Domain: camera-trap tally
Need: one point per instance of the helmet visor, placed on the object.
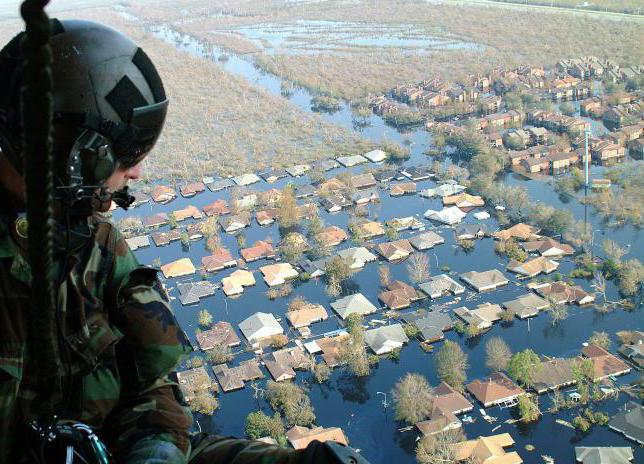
(143, 130)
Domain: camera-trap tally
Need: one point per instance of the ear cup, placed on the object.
(93, 157)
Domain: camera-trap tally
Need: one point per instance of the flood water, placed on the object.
(353, 403)
(343, 36)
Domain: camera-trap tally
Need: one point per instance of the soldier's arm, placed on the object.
(149, 424)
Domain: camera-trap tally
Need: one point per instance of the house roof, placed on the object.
(561, 292)
(233, 378)
(604, 454)
(330, 347)
(140, 241)
(217, 260)
(494, 389)
(488, 450)
(395, 250)
(189, 211)
(154, 220)
(386, 338)
(363, 180)
(279, 273)
(426, 240)
(533, 266)
(450, 215)
(370, 229)
(164, 238)
(484, 280)
(402, 188)
(246, 179)
(162, 194)
(443, 190)
(216, 208)
(282, 363)
(357, 256)
(464, 200)
(220, 184)
(519, 231)
(351, 160)
(548, 247)
(448, 398)
(356, 303)
(553, 373)
(260, 325)
(430, 323)
(192, 292)
(191, 189)
(221, 333)
(306, 315)
(260, 249)
(178, 268)
(194, 381)
(630, 422)
(526, 305)
(332, 235)
(404, 223)
(441, 284)
(604, 363)
(375, 156)
(236, 281)
(395, 299)
(300, 437)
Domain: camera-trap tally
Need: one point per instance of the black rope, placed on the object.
(36, 111)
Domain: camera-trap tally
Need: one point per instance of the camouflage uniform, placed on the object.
(123, 343)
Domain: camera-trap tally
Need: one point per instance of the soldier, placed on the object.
(117, 338)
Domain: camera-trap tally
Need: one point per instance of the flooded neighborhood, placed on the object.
(445, 266)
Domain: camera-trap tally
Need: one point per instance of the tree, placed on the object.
(204, 402)
(259, 425)
(293, 247)
(600, 339)
(439, 448)
(352, 350)
(613, 251)
(384, 274)
(451, 364)
(220, 354)
(172, 221)
(497, 353)
(558, 312)
(468, 143)
(413, 399)
(337, 268)
(631, 276)
(287, 208)
(529, 408)
(205, 318)
(583, 371)
(321, 372)
(418, 267)
(522, 367)
(292, 401)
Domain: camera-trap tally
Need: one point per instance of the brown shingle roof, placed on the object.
(221, 333)
(300, 437)
(494, 389)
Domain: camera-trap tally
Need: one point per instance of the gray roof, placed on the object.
(353, 254)
(426, 240)
(351, 160)
(260, 325)
(221, 185)
(630, 422)
(441, 284)
(356, 303)
(191, 292)
(379, 338)
(484, 280)
(273, 173)
(314, 268)
(431, 324)
(139, 241)
(325, 164)
(526, 305)
(604, 454)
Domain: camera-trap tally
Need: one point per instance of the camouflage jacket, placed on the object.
(122, 342)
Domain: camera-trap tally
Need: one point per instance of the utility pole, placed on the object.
(384, 402)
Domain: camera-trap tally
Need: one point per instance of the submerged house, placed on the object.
(278, 274)
(561, 292)
(300, 437)
(533, 267)
(260, 326)
(449, 216)
(356, 303)
(234, 284)
(192, 292)
(548, 247)
(399, 295)
(498, 388)
(220, 334)
(385, 339)
(630, 422)
(484, 281)
(488, 450)
(219, 259)
(426, 240)
(234, 378)
(178, 268)
(431, 324)
(441, 285)
(447, 403)
(396, 250)
(481, 317)
(282, 363)
(527, 305)
(357, 257)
